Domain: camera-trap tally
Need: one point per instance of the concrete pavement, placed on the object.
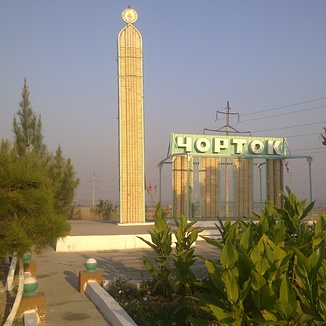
(58, 273)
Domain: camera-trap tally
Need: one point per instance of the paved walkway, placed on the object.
(58, 273)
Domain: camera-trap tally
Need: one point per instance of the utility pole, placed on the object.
(227, 129)
(93, 181)
(227, 162)
(227, 109)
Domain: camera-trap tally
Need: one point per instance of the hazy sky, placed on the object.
(267, 58)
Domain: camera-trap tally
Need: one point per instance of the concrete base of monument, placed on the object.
(136, 224)
(86, 235)
(107, 235)
(101, 242)
(35, 301)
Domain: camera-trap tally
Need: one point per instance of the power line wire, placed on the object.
(307, 149)
(302, 135)
(302, 125)
(286, 113)
(277, 108)
(313, 152)
(285, 106)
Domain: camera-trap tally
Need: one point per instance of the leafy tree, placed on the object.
(323, 137)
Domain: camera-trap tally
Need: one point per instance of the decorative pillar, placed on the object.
(210, 186)
(243, 187)
(182, 171)
(275, 181)
(131, 125)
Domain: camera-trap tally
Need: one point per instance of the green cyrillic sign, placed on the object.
(220, 145)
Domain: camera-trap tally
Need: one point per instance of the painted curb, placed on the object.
(11, 274)
(110, 309)
(19, 295)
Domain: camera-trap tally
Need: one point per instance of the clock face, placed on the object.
(129, 15)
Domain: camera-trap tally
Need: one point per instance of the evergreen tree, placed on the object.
(28, 129)
(36, 188)
(35, 199)
(63, 181)
(27, 216)
(29, 139)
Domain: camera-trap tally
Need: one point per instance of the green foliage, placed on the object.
(36, 187)
(26, 200)
(310, 278)
(173, 273)
(63, 180)
(271, 272)
(293, 213)
(184, 256)
(162, 245)
(29, 139)
(106, 209)
(75, 212)
(143, 307)
(28, 128)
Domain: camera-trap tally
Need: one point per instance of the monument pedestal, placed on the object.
(87, 276)
(35, 301)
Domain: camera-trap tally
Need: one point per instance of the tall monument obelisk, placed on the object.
(131, 121)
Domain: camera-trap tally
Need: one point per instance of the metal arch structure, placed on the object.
(204, 153)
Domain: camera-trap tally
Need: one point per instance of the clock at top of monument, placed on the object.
(129, 15)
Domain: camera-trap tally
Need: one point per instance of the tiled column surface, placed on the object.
(182, 185)
(131, 127)
(210, 187)
(275, 181)
(244, 187)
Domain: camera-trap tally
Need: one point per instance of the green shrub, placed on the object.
(173, 274)
(272, 272)
(142, 306)
(105, 209)
(162, 245)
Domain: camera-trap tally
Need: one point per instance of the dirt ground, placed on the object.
(7, 298)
